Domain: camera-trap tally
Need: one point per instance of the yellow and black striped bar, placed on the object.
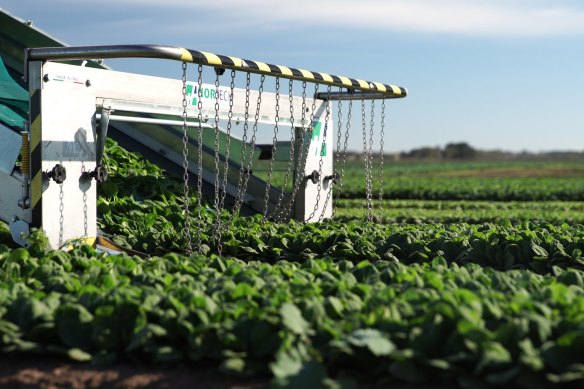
(218, 61)
(36, 172)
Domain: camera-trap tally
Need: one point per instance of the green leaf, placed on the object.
(74, 325)
(293, 320)
(493, 355)
(235, 365)
(371, 339)
(79, 355)
(339, 383)
(311, 375)
(286, 364)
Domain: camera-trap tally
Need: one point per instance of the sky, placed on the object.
(497, 74)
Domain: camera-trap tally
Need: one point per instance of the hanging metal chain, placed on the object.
(200, 159)
(366, 160)
(331, 179)
(335, 178)
(217, 225)
(344, 152)
(187, 223)
(381, 155)
(85, 222)
(274, 142)
(228, 142)
(302, 153)
(281, 210)
(253, 137)
(223, 192)
(320, 161)
(61, 215)
(243, 171)
(370, 155)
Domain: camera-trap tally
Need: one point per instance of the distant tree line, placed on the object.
(462, 151)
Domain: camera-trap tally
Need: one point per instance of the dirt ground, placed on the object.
(46, 373)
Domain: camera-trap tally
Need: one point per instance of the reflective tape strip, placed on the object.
(397, 90)
(212, 59)
(226, 61)
(36, 186)
(185, 55)
(306, 74)
(380, 87)
(363, 84)
(275, 69)
(238, 62)
(346, 81)
(263, 67)
(36, 159)
(285, 70)
(326, 77)
(35, 133)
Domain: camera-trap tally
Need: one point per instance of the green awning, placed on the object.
(12, 95)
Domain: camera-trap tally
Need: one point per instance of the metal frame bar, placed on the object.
(204, 58)
(168, 122)
(352, 95)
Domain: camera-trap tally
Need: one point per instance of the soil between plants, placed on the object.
(52, 373)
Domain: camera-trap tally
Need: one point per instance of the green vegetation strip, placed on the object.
(479, 181)
(318, 305)
(461, 211)
(316, 322)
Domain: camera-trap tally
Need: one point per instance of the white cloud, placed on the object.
(495, 18)
(468, 17)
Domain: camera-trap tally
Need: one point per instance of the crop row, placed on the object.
(309, 304)
(308, 321)
(473, 188)
(461, 211)
(155, 225)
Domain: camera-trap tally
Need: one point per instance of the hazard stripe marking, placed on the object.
(211, 58)
(36, 185)
(185, 55)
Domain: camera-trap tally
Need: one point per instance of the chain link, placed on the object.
(228, 142)
(344, 153)
(331, 180)
(370, 158)
(366, 159)
(85, 225)
(300, 161)
(274, 142)
(85, 214)
(381, 155)
(227, 223)
(61, 215)
(281, 213)
(187, 223)
(309, 138)
(243, 171)
(320, 161)
(200, 159)
(254, 133)
(217, 225)
(338, 149)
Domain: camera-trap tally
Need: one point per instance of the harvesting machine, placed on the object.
(58, 104)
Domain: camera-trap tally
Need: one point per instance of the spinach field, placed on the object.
(473, 281)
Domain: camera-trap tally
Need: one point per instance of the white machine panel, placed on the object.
(68, 139)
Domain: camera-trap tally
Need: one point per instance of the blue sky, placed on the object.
(505, 74)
